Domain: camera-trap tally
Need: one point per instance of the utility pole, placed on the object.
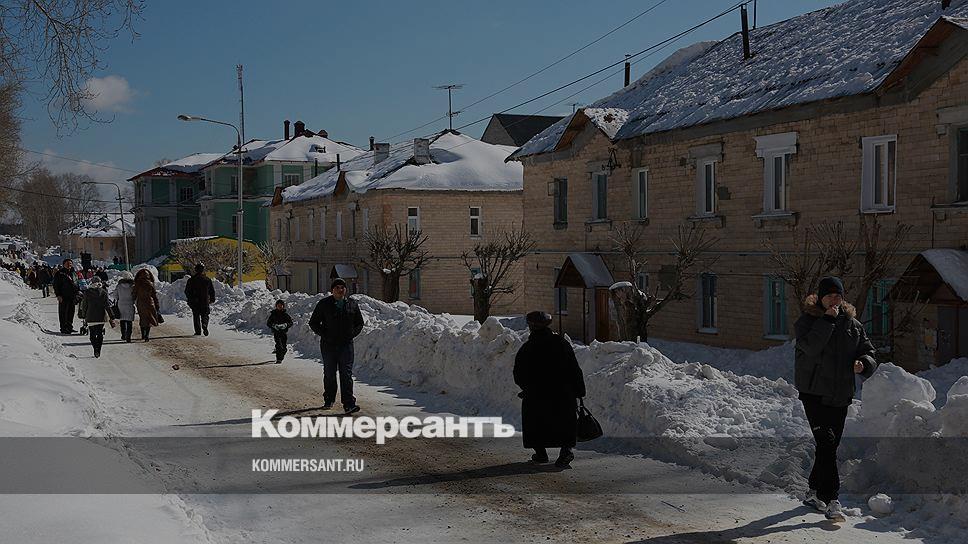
(450, 108)
(238, 69)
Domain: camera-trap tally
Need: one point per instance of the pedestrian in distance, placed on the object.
(551, 382)
(94, 309)
(124, 298)
(200, 293)
(44, 278)
(337, 320)
(66, 291)
(102, 274)
(279, 323)
(146, 301)
(831, 347)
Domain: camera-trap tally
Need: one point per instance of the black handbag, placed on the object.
(159, 318)
(588, 427)
(115, 311)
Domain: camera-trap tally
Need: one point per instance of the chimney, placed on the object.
(322, 133)
(421, 150)
(372, 139)
(285, 129)
(628, 70)
(339, 167)
(746, 32)
(945, 4)
(380, 152)
(298, 129)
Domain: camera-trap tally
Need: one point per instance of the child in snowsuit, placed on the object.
(279, 323)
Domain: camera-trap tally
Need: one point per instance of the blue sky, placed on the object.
(355, 69)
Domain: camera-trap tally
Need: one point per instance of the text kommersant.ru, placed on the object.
(381, 428)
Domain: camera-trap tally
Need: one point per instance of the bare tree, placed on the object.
(634, 307)
(226, 259)
(394, 254)
(219, 257)
(879, 255)
(802, 267)
(50, 203)
(61, 44)
(10, 155)
(273, 257)
(490, 264)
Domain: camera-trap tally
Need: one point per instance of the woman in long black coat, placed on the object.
(550, 379)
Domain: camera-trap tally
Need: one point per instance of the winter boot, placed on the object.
(205, 330)
(97, 353)
(814, 502)
(352, 410)
(539, 456)
(834, 511)
(565, 458)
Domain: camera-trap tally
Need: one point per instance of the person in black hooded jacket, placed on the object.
(279, 323)
(831, 347)
(200, 294)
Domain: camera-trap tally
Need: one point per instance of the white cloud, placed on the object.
(109, 94)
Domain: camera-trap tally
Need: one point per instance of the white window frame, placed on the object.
(413, 225)
(889, 189)
(474, 216)
(704, 208)
(289, 180)
(339, 225)
(714, 328)
(597, 179)
(642, 281)
(640, 175)
(770, 148)
(411, 277)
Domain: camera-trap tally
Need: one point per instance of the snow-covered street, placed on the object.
(410, 490)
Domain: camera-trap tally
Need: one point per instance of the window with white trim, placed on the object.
(414, 284)
(775, 314)
(186, 194)
(474, 272)
(599, 196)
(776, 151)
(560, 189)
(640, 193)
(288, 180)
(413, 220)
(339, 225)
(708, 307)
(642, 282)
(706, 186)
(475, 221)
(879, 178)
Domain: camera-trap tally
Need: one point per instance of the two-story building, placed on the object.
(455, 189)
(102, 237)
(266, 164)
(850, 112)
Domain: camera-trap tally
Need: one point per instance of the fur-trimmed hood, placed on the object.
(811, 307)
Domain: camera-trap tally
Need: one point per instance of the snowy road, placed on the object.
(410, 490)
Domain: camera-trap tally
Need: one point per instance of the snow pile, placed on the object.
(774, 363)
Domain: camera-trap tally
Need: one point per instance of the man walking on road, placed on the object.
(66, 290)
(832, 346)
(199, 292)
(337, 320)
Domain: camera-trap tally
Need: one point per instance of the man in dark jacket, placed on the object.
(279, 323)
(337, 320)
(199, 292)
(43, 279)
(66, 291)
(546, 370)
(832, 346)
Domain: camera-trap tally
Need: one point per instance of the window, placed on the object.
(289, 180)
(163, 235)
(295, 229)
(353, 223)
(640, 192)
(775, 311)
(101, 245)
(413, 220)
(961, 194)
(414, 291)
(879, 173)
(310, 233)
(778, 173)
(278, 230)
(706, 201)
(599, 196)
(339, 225)
(642, 282)
(561, 295)
(561, 201)
(187, 228)
(877, 312)
(474, 272)
(322, 223)
(475, 221)
(776, 151)
(235, 224)
(309, 280)
(234, 179)
(186, 194)
(708, 305)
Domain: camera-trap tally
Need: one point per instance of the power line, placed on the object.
(553, 64)
(78, 160)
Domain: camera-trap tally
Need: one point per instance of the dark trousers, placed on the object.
(282, 340)
(827, 425)
(126, 330)
(97, 337)
(65, 314)
(46, 290)
(338, 360)
(200, 319)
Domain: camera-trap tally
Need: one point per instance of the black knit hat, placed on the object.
(830, 285)
(538, 318)
(335, 282)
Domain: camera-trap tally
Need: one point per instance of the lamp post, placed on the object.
(124, 234)
(240, 211)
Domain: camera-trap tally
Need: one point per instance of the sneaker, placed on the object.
(834, 511)
(564, 459)
(327, 405)
(814, 502)
(352, 410)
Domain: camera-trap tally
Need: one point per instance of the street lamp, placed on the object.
(124, 234)
(239, 213)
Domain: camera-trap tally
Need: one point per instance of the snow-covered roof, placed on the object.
(297, 149)
(105, 226)
(952, 266)
(192, 163)
(591, 270)
(843, 50)
(458, 163)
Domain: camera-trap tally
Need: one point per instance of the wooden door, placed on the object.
(601, 315)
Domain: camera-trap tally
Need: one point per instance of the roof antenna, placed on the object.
(746, 32)
(450, 108)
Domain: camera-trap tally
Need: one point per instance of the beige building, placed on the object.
(455, 189)
(754, 152)
(101, 237)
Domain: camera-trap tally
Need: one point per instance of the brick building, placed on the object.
(455, 189)
(823, 121)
